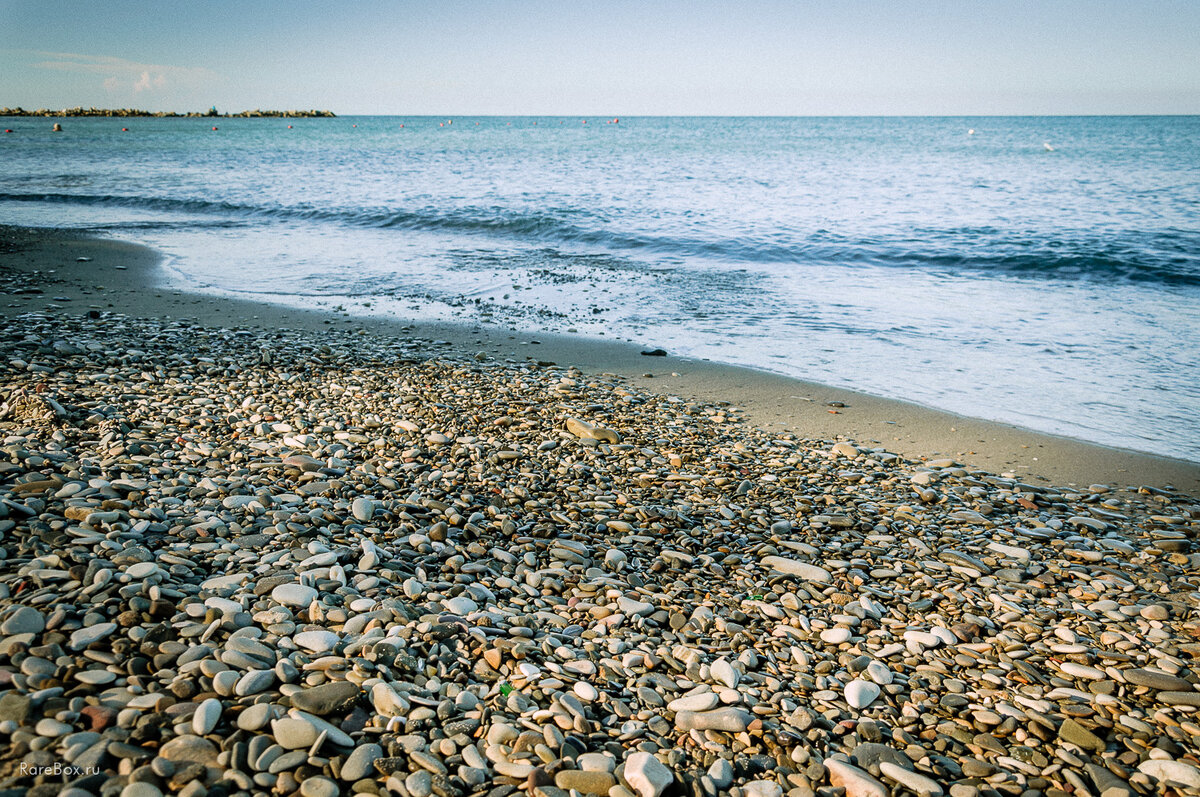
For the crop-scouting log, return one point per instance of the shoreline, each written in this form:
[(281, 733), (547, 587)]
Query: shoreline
[(246, 559), (113, 276)]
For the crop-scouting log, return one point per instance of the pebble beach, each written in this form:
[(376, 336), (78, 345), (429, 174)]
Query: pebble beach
[(247, 561)]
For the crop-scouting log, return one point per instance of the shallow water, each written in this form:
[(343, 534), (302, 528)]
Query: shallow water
[(1057, 287)]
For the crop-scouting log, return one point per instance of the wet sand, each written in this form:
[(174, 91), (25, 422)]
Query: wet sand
[(126, 278)]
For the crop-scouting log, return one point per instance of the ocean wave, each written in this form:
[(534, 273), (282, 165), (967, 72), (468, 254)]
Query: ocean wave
[(1167, 257)]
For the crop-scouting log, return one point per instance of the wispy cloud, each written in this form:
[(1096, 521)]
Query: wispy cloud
[(120, 74)]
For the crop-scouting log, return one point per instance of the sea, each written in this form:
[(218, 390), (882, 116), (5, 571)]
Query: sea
[(1041, 271)]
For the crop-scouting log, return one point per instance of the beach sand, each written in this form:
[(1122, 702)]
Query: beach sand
[(261, 554), (125, 278)]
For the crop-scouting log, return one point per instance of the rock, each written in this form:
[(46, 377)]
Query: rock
[(585, 782), (293, 733), (856, 782), (298, 595), (359, 764), (583, 429), (762, 788), (319, 641), (253, 682), (633, 607), (1165, 769), (724, 673), (731, 720), (1156, 679), (721, 773), (646, 775), (860, 693), (189, 749), (363, 509), (326, 698), (1071, 731), (701, 701), (25, 620), (319, 787), (1180, 698), (868, 756), (462, 605), (910, 780), (91, 634), (207, 715), (791, 567)]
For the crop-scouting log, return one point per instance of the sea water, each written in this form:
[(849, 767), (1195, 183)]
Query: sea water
[(1043, 271)]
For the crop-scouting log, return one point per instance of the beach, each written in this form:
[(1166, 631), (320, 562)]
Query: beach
[(251, 549)]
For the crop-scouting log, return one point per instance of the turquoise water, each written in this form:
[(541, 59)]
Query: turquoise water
[(1041, 271)]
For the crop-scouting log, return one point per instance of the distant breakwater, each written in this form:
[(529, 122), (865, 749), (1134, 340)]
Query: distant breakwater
[(134, 112)]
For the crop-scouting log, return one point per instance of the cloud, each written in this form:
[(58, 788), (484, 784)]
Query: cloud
[(120, 73)]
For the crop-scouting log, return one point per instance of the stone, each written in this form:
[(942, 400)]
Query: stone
[(188, 749), (298, 595), (860, 693), (253, 682), (730, 720), (910, 780), (461, 605), (583, 429), (725, 673), (855, 781), (701, 701), (326, 698), (25, 620), (792, 567), (762, 788), (292, 733), (646, 775), (634, 608), (1165, 769), (91, 634), (1156, 679), (363, 509), (585, 782), (1180, 698), (360, 763), (318, 641), (207, 715), (319, 787), (721, 773), (1071, 731)]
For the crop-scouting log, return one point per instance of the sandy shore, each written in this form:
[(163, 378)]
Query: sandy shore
[(124, 278), (262, 561)]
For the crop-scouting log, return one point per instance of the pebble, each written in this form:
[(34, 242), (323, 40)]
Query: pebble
[(337, 563), (207, 715), (856, 782), (910, 780), (860, 693), (647, 775), (298, 595)]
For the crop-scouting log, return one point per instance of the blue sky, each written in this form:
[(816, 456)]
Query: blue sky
[(606, 58)]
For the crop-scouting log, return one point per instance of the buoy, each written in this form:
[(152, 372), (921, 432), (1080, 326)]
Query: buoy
[(441, 124), (214, 127), (8, 130), (971, 131), (289, 127), (124, 129), (1046, 144)]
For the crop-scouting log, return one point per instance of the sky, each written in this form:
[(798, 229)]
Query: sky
[(612, 58)]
